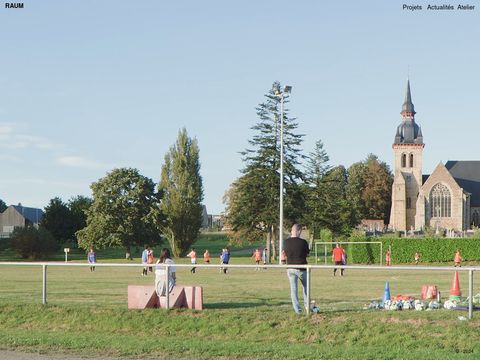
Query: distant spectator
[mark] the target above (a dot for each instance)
(264, 256)
(92, 259)
(283, 257)
(193, 259)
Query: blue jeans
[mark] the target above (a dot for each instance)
(293, 276)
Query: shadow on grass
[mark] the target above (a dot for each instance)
(242, 305)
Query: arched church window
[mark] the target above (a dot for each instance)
(411, 160)
(409, 202)
(475, 218)
(440, 201)
(404, 160)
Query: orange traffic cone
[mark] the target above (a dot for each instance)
(455, 292)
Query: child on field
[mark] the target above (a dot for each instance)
(457, 259)
(145, 261)
(417, 258)
(388, 258)
(258, 257)
(224, 259)
(92, 259)
(193, 259)
(206, 257)
(150, 259)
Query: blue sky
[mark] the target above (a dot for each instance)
(86, 86)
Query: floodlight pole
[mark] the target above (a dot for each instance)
(281, 94)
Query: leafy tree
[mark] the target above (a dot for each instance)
(369, 190)
(79, 206)
(355, 188)
(377, 193)
(33, 243)
(315, 190)
(182, 194)
(123, 212)
(252, 203)
(58, 221)
(3, 206)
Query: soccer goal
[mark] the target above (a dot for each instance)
(325, 245)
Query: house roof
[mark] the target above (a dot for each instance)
(32, 214)
(467, 175)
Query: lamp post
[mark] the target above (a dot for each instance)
(282, 94)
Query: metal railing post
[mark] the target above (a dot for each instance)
(308, 290)
(167, 290)
(470, 294)
(44, 284)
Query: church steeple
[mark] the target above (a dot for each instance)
(408, 132)
(407, 108)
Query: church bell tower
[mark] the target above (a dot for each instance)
(408, 151)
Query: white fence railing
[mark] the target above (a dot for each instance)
(469, 269)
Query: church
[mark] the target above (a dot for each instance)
(447, 199)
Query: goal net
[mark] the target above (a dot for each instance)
(323, 250)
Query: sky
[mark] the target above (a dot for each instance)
(88, 86)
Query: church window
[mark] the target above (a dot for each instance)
(411, 160)
(404, 160)
(440, 201)
(409, 203)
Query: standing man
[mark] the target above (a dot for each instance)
(297, 251)
(338, 256)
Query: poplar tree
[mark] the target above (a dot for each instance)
(182, 194)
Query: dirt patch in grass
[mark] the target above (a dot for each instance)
(394, 320)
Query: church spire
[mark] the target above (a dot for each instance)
(407, 107)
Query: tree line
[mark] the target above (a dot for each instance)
(126, 209)
(316, 194)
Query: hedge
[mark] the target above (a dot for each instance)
(432, 249)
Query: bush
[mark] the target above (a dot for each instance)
(432, 249)
(33, 243)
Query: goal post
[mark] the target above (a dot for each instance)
(323, 245)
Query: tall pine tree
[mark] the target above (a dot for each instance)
(314, 190)
(252, 203)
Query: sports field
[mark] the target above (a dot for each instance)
(247, 315)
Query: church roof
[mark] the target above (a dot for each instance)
(467, 175)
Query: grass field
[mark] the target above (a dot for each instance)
(247, 315)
